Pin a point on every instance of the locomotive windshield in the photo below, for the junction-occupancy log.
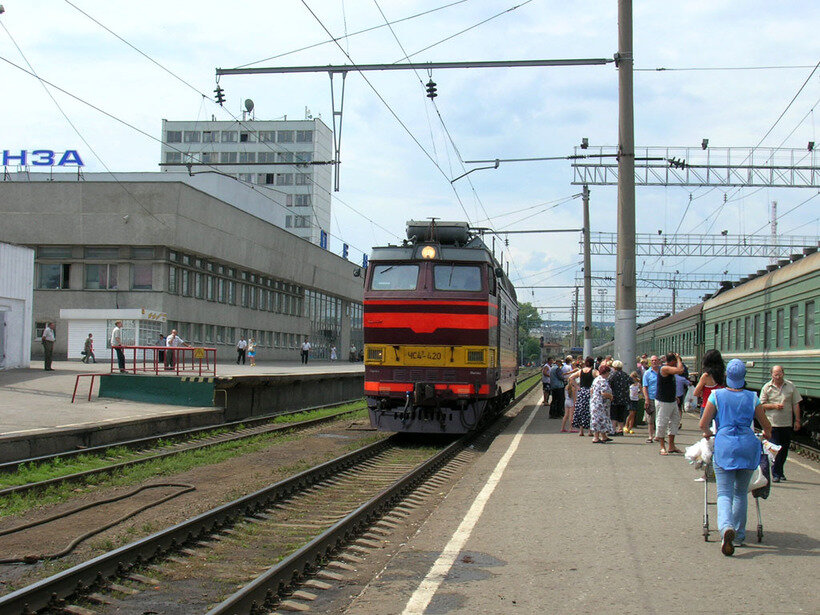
(457, 277)
(395, 277)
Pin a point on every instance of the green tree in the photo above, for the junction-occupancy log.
(529, 348)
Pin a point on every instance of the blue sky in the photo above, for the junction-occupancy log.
(503, 113)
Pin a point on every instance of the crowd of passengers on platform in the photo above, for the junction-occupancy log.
(597, 398)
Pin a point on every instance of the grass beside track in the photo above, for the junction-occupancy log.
(525, 384)
(14, 504)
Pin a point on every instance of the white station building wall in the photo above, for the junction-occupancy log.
(16, 298)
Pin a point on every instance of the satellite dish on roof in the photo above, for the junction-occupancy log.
(248, 105)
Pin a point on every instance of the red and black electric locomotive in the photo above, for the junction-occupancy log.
(440, 331)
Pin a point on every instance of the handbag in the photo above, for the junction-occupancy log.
(758, 481)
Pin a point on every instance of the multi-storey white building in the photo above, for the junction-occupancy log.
(281, 158)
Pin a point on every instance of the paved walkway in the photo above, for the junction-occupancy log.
(572, 527)
(34, 401)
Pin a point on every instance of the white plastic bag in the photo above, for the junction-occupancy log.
(700, 453)
(771, 449)
(758, 480)
(690, 402)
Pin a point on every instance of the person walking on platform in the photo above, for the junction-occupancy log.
(569, 407)
(634, 397)
(48, 346)
(667, 417)
(585, 376)
(545, 380)
(305, 351)
(241, 349)
(650, 388)
(88, 349)
(600, 399)
(333, 355)
(737, 450)
(781, 401)
(713, 376)
(116, 344)
(557, 385)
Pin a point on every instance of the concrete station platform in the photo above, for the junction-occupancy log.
(573, 527)
(37, 416)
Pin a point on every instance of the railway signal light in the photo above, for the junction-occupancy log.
(344, 251)
(220, 95)
(431, 89)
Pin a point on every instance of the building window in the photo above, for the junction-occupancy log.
(209, 136)
(809, 329)
(191, 136)
(285, 156)
(304, 156)
(172, 157)
(229, 136)
(246, 177)
(284, 136)
(266, 156)
(173, 136)
(173, 280)
(304, 136)
(302, 200)
(184, 289)
(210, 288)
(107, 253)
(101, 277)
(246, 137)
(142, 276)
(227, 157)
(270, 179)
(247, 157)
(220, 334)
(54, 252)
(198, 287)
(781, 318)
(209, 157)
(303, 179)
(284, 179)
(267, 136)
(209, 333)
(142, 253)
(53, 276)
(232, 293)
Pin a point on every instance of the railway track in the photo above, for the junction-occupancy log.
(155, 447)
(264, 543)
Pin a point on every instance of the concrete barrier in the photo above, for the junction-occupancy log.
(191, 391)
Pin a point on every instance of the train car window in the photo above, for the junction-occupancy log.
(793, 321)
(395, 277)
(729, 335)
(809, 329)
(756, 331)
(738, 335)
(767, 330)
(457, 277)
(747, 323)
(781, 323)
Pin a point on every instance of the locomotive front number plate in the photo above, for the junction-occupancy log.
(423, 355)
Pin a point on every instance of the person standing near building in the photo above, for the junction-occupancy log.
(172, 342)
(650, 388)
(619, 383)
(48, 346)
(545, 380)
(252, 351)
(305, 351)
(241, 349)
(161, 353)
(781, 401)
(88, 349)
(116, 344)
(333, 355)
(352, 356)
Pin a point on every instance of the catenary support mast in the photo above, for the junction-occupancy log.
(625, 311)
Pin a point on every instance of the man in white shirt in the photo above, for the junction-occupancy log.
(781, 401)
(48, 346)
(173, 341)
(241, 349)
(305, 351)
(116, 344)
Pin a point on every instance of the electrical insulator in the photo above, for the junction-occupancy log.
(431, 89)
(220, 95)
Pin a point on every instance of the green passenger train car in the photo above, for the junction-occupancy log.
(766, 319)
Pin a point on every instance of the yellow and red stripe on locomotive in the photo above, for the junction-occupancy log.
(440, 332)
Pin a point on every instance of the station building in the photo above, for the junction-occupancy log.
(286, 159)
(202, 254)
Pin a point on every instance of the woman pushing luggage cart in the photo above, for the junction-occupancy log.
(737, 453)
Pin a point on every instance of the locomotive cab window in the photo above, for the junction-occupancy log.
(457, 277)
(395, 277)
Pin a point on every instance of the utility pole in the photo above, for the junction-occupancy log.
(673, 300)
(574, 313)
(625, 300)
(587, 279)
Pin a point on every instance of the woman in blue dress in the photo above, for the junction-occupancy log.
(737, 450)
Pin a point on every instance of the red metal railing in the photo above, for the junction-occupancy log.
(178, 360)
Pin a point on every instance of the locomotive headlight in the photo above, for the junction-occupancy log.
(428, 252)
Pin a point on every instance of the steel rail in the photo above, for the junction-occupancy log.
(10, 466)
(78, 476)
(262, 594)
(50, 592)
(53, 591)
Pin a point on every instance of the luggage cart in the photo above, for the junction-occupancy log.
(762, 492)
